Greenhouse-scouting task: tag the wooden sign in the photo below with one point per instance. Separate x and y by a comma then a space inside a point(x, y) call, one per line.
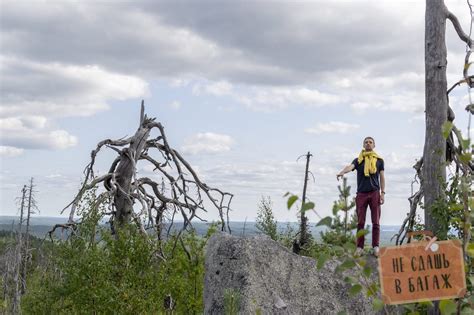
point(410, 273)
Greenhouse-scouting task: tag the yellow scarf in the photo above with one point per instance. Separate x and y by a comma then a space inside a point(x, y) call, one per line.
point(370, 158)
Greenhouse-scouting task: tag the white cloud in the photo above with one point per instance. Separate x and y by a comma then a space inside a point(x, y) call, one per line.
point(179, 82)
point(402, 91)
point(262, 177)
point(219, 88)
point(281, 97)
point(168, 40)
point(207, 142)
point(35, 93)
point(332, 127)
point(35, 122)
point(267, 98)
point(56, 89)
point(272, 69)
point(253, 179)
point(61, 139)
point(356, 92)
point(7, 151)
point(52, 176)
point(32, 132)
point(362, 106)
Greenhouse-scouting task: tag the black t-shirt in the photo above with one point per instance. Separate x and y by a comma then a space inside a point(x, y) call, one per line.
point(367, 183)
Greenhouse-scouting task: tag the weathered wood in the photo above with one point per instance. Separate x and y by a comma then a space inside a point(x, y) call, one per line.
point(184, 193)
point(125, 173)
point(304, 235)
point(436, 109)
point(26, 249)
point(18, 260)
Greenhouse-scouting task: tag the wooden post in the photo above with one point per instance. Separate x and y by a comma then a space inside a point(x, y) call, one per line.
point(304, 220)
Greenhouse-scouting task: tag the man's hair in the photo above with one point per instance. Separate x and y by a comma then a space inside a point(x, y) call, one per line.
point(369, 138)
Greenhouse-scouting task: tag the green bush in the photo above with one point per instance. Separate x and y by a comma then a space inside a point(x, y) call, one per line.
point(266, 222)
point(95, 272)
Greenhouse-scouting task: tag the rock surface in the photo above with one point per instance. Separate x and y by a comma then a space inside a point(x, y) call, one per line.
point(272, 280)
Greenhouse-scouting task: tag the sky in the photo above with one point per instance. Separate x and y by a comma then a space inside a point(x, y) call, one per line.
point(243, 89)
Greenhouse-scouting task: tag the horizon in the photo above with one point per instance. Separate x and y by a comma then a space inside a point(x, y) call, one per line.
point(179, 221)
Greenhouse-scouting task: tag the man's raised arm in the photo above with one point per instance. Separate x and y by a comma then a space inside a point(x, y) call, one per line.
point(345, 170)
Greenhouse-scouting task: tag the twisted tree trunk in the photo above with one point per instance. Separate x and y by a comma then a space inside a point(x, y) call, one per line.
point(126, 171)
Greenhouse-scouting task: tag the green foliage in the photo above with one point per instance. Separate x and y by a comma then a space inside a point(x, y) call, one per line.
point(323, 257)
point(306, 241)
point(231, 302)
point(355, 289)
point(362, 232)
point(287, 236)
point(307, 206)
point(454, 213)
point(340, 227)
point(291, 200)
point(446, 129)
point(418, 225)
point(325, 221)
point(340, 244)
point(8, 252)
point(447, 307)
point(377, 305)
point(470, 249)
point(95, 272)
point(417, 308)
point(449, 212)
point(265, 221)
point(121, 274)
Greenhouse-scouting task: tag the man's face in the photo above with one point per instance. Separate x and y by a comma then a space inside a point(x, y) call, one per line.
point(369, 144)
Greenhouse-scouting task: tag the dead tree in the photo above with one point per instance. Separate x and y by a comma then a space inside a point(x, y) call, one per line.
point(18, 279)
point(436, 101)
point(31, 208)
point(438, 151)
point(150, 202)
point(11, 262)
point(304, 235)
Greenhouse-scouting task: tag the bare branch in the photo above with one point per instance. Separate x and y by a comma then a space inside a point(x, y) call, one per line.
point(457, 26)
point(414, 201)
point(65, 226)
point(142, 112)
point(471, 78)
point(134, 199)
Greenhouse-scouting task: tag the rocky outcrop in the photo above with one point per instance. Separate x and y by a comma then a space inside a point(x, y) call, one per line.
point(269, 279)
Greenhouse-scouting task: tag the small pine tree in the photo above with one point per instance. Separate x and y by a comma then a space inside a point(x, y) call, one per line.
point(344, 205)
point(339, 231)
point(266, 222)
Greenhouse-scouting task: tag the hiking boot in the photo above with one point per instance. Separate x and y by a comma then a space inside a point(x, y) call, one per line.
point(359, 252)
point(376, 251)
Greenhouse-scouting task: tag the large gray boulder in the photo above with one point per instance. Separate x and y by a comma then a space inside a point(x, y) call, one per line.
point(270, 279)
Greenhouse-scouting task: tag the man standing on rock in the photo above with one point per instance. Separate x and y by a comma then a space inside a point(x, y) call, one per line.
point(370, 191)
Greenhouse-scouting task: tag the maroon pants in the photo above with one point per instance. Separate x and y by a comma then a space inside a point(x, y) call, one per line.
point(371, 199)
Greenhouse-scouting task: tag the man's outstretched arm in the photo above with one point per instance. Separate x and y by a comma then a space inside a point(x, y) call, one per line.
point(345, 170)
